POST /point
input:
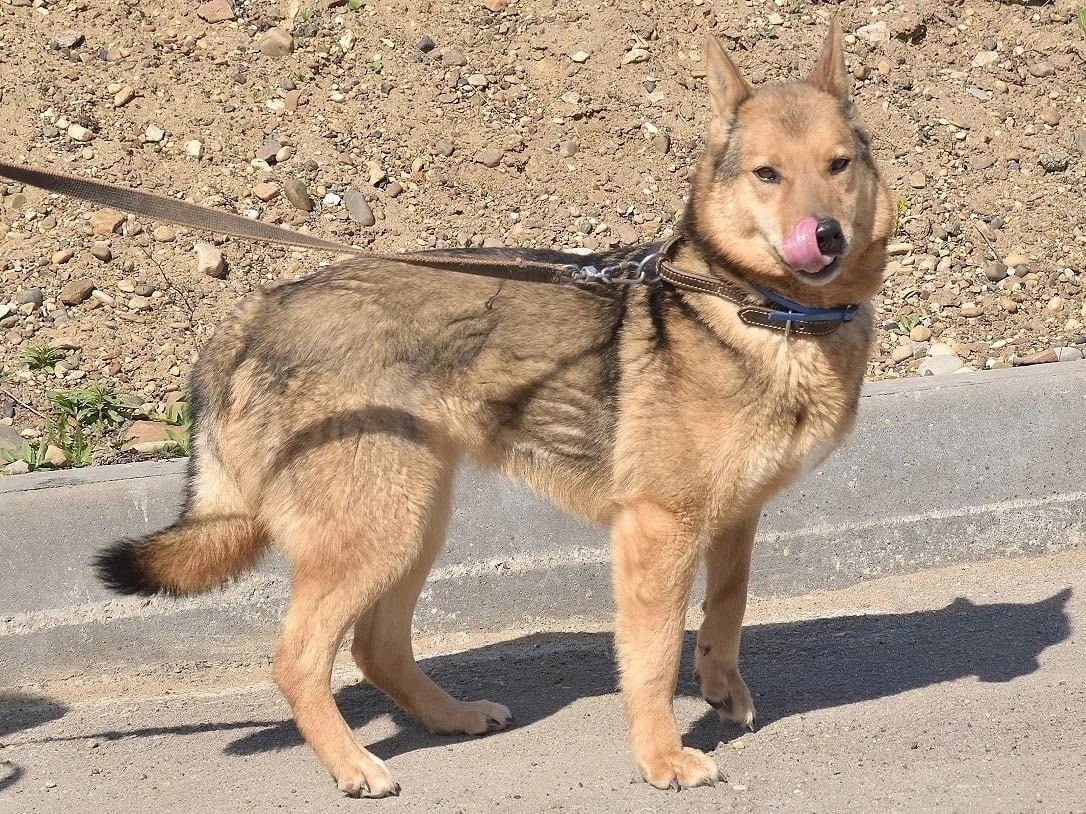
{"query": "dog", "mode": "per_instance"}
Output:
(331, 414)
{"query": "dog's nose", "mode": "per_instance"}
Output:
(831, 240)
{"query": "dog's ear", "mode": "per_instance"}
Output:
(829, 74)
(727, 88)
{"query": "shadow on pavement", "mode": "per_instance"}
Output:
(791, 668)
(18, 711)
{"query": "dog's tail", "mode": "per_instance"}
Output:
(215, 539)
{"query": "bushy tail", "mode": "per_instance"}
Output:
(194, 554)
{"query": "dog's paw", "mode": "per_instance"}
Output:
(367, 777)
(681, 769)
(470, 718)
(725, 691)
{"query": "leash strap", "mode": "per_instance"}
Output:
(505, 264)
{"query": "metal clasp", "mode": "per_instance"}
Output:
(628, 272)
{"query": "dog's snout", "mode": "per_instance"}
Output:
(831, 240)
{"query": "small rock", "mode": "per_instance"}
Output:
(276, 43)
(451, 58)
(1050, 116)
(918, 180)
(10, 439)
(985, 58)
(970, 310)
(216, 11)
(283, 154)
(488, 157)
(493, 243)
(77, 132)
(30, 296)
(69, 39)
(331, 199)
(295, 192)
(627, 233)
(1062, 354)
(425, 44)
(377, 173)
(775, 19)
(1053, 159)
(568, 149)
(269, 150)
(124, 96)
(940, 349)
(939, 365)
(497, 6)
(995, 271)
(164, 234)
(874, 33)
(147, 432)
(265, 191)
(920, 333)
(1014, 260)
(154, 133)
(194, 148)
(77, 291)
(579, 57)
(444, 147)
(1042, 69)
(1008, 305)
(635, 55)
(106, 221)
(101, 251)
(139, 303)
(61, 257)
(126, 286)
(19, 467)
(55, 457)
(209, 260)
(358, 208)
(1054, 305)
(661, 142)
(900, 354)
(477, 80)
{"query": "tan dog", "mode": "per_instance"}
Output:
(332, 412)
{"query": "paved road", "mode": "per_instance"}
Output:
(960, 689)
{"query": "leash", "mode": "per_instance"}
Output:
(653, 268)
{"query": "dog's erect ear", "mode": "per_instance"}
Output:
(727, 88)
(829, 74)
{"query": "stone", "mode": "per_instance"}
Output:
(874, 32)
(10, 439)
(497, 6)
(147, 432)
(265, 191)
(425, 44)
(901, 354)
(940, 349)
(568, 149)
(1053, 159)
(939, 365)
(269, 150)
(661, 142)
(635, 55)
(62, 256)
(985, 58)
(55, 457)
(295, 192)
(579, 57)
(164, 234)
(359, 208)
(444, 147)
(77, 291)
(138, 303)
(19, 467)
(1054, 305)
(488, 157)
(451, 58)
(920, 333)
(1042, 69)
(276, 43)
(77, 132)
(1050, 116)
(194, 148)
(970, 310)
(216, 11)
(209, 260)
(101, 251)
(154, 134)
(30, 296)
(995, 271)
(69, 39)
(1014, 260)
(124, 96)
(918, 180)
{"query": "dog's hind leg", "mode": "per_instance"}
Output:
(382, 646)
(717, 661)
(351, 517)
(655, 555)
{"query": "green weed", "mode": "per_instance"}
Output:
(41, 357)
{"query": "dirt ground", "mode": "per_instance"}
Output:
(411, 124)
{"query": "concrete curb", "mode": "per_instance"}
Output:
(939, 470)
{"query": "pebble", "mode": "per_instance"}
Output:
(488, 157)
(1053, 159)
(269, 150)
(126, 286)
(1008, 305)
(331, 199)
(106, 221)
(124, 96)
(1014, 260)
(276, 43)
(154, 134)
(30, 296)
(661, 142)
(995, 271)
(901, 353)
(265, 191)
(634, 56)
(568, 149)
(918, 180)
(451, 58)
(940, 349)
(77, 291)
(358, 208)
(216, 11)
(985, 58)
(77, 132)
(1042, 69)
(164, 234)
(425, 44)
(69, 39)
(147, 432)
(920, 333)
(1054, 305)
(62, 256)
(497, 6)
(393, 190)
(579, 57)
(295, 192)
(194, 148)
(139, 303)
(19, 467)
(970, 310)
(444, 147)
(209, 260)
(101, 251)
(939, 365)
(1050, 116)
(55, 457)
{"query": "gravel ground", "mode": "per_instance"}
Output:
(406, 124)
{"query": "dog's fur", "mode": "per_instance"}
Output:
(332, 412)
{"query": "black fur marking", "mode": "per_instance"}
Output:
(611, 368)
(118, 567)
(658, 302)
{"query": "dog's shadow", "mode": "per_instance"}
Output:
(791, 668)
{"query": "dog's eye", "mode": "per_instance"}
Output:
(838, 165)
(767, 174)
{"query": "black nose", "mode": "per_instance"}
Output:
(831, 240)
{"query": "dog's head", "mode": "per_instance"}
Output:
(787, 194)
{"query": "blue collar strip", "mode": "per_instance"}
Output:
(797, 312)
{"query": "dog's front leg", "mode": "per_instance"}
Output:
(654, 559)
(716, 664)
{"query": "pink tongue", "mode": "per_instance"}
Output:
(801, 248)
